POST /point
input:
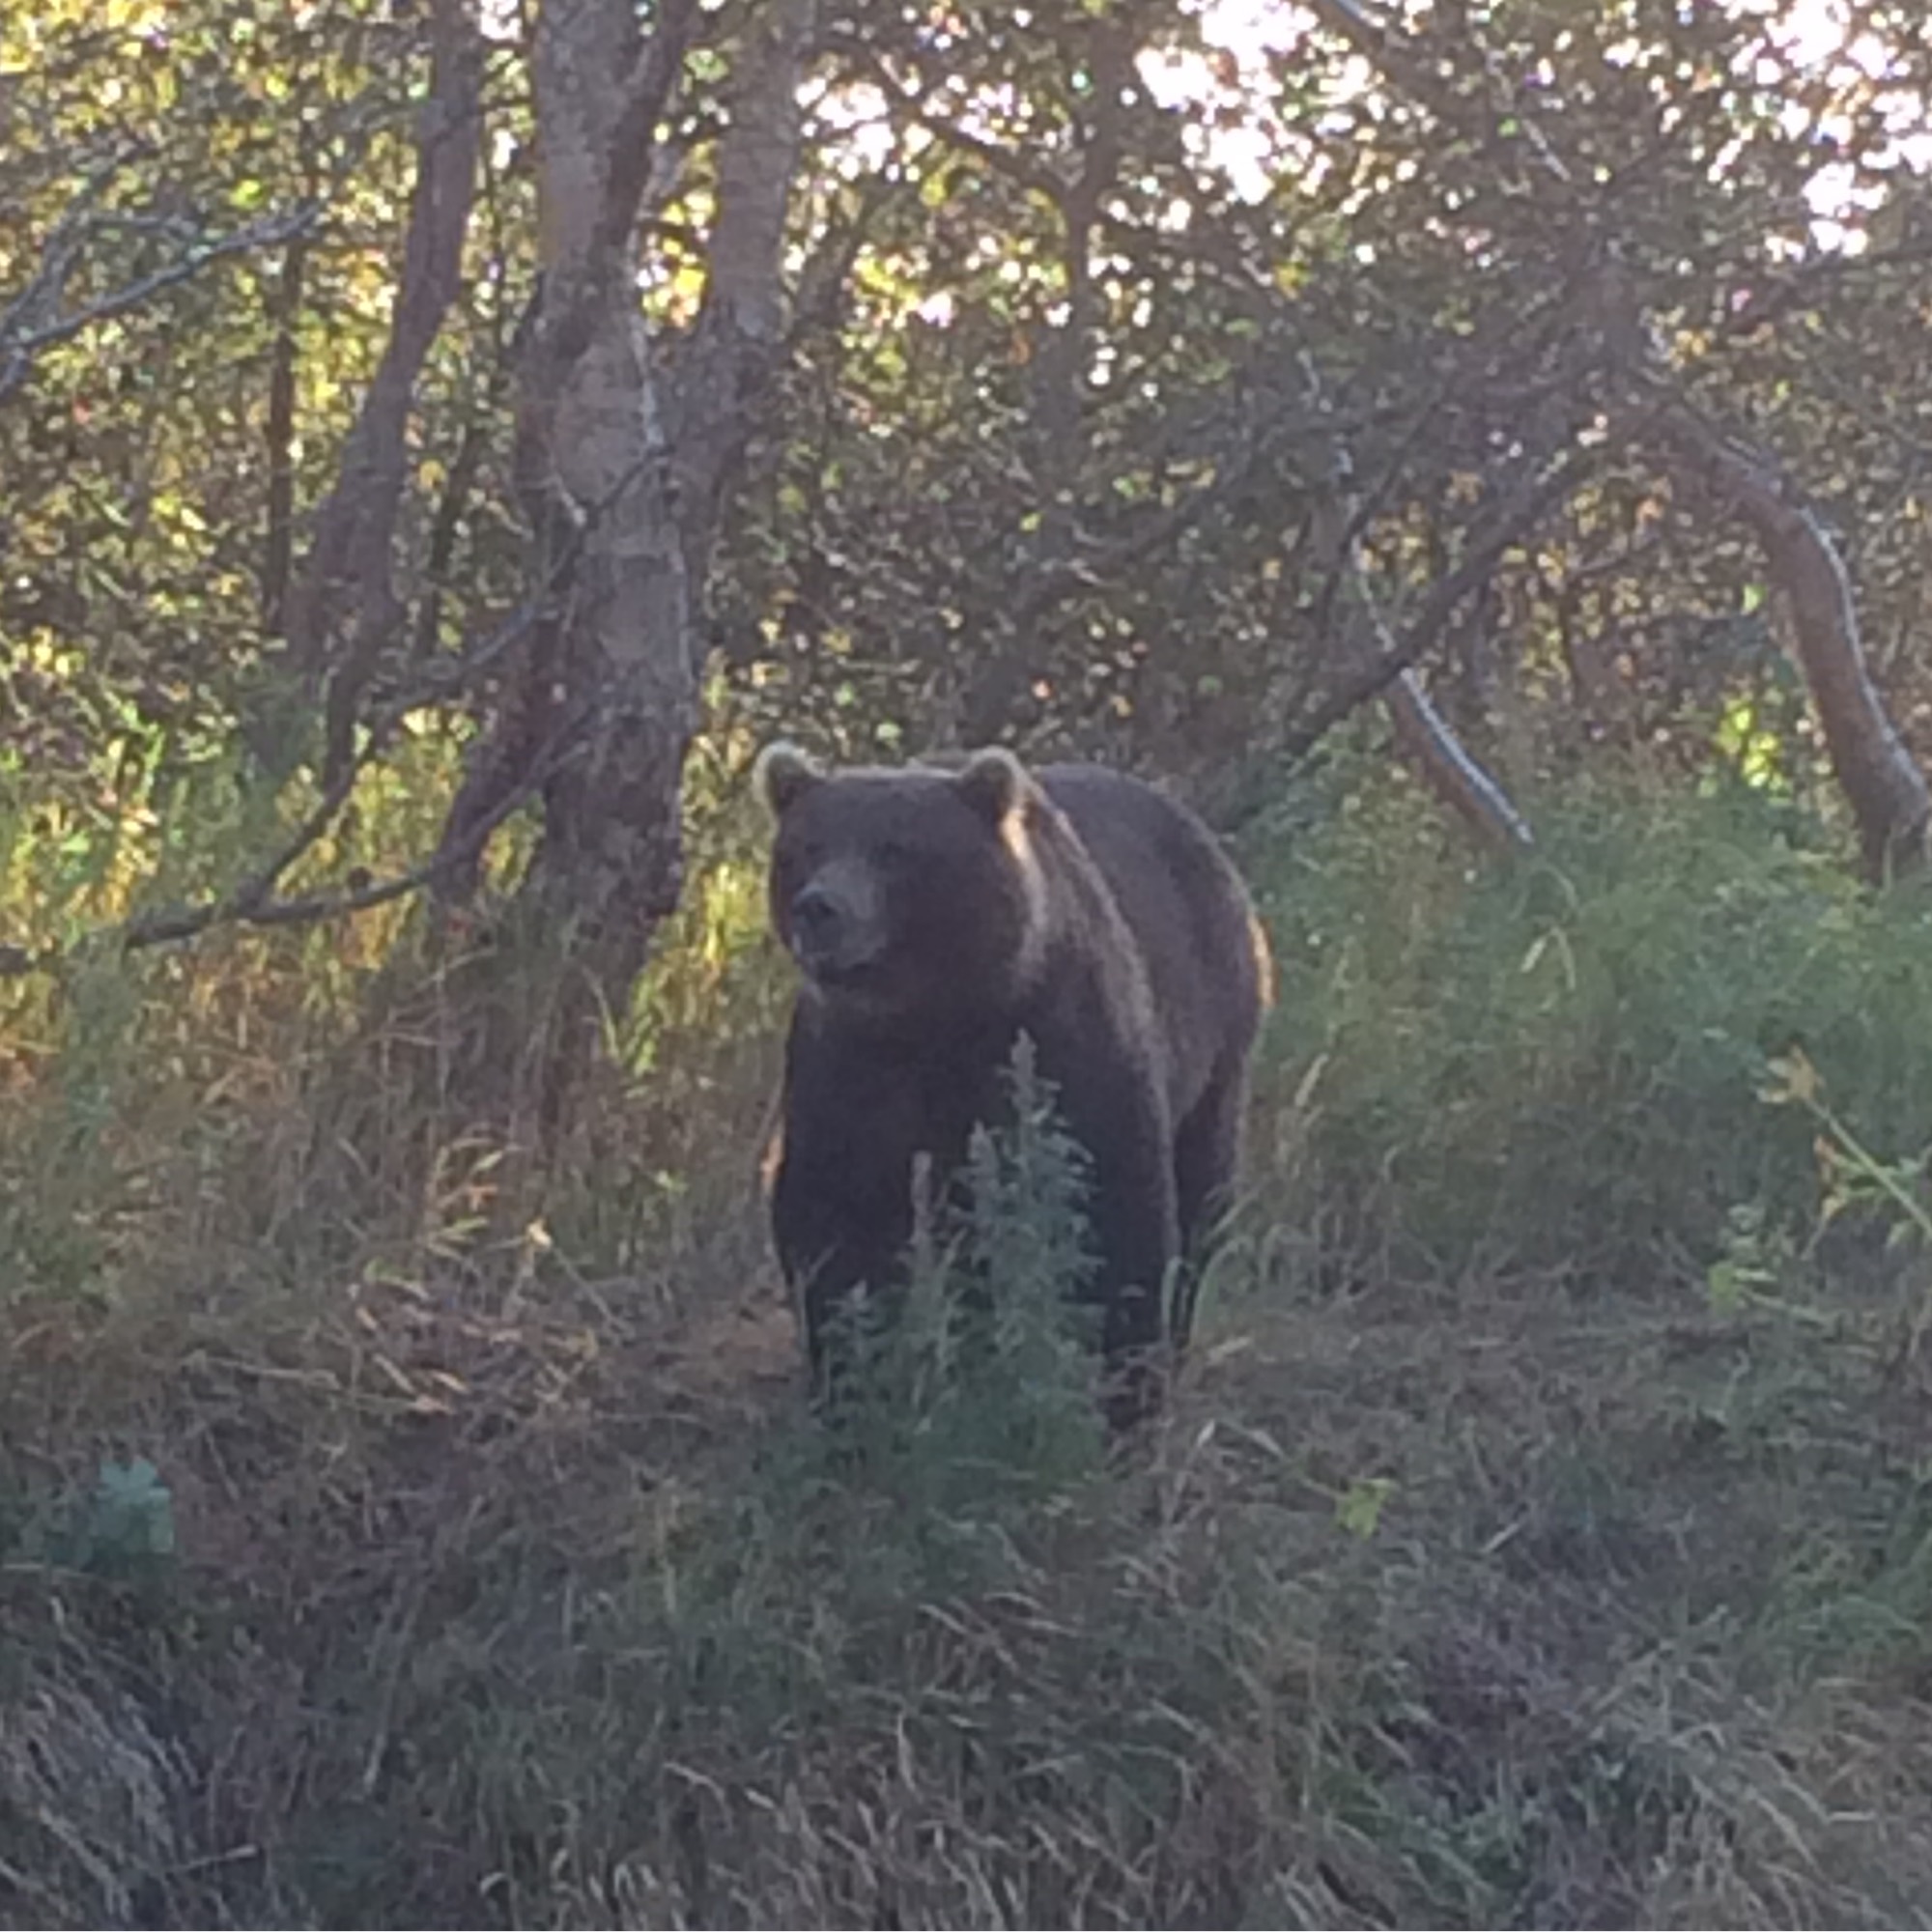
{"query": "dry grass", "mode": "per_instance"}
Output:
(416, 1661)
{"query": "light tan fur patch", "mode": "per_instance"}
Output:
(1264, 972)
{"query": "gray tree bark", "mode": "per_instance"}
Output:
(626, 446)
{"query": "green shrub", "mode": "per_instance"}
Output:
(1557, 1063)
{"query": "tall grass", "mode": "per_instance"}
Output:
(1558, 1065)
(1539, 1535)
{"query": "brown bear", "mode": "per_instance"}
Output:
(937, 914)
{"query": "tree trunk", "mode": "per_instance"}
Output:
(349, 559)
(624, 454)
(1876, 771)
(724, 371)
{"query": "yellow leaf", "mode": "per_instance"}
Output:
(1793, 1077)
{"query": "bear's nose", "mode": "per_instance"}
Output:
(814, 914)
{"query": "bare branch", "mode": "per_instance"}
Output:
(63, 249)
(1421, 730)
(1512, 522)
(355, 526)
(19, 349)
(1443, 759)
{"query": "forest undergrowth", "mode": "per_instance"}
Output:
(1541, 1533)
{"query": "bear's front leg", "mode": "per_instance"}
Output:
(1116, 1112)
(841, 1203)
(837, 1233)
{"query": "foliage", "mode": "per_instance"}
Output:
(979, 1380)
(138, 451)
(1541, 1535)
(1090, 309)
(123, 1527)
(1559, 1066)
(1555, 1593)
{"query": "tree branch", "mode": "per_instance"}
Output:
(248, 902)
(1881, 779)
(633, 140)
(740, 328)
(19, 347)
(910, 103)
(1421, 730)
(657, 72)
(1516, 517)
(250, 905)
(355, 529)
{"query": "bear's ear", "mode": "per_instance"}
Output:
(994, 783)
(782, 776)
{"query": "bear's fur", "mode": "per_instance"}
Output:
(935, 915)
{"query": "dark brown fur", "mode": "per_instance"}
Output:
(937, 915)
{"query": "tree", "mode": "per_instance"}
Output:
(623, 454)
(350, 551)
(1880, 780)
(905, 375)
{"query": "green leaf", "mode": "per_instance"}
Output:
(1358, 1509)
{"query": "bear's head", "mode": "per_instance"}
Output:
(906, 893)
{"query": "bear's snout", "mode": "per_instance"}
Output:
(814, 918)
(835, 922)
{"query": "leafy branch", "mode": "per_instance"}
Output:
(250, 903)
(29, 323)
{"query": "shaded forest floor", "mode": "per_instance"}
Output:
(1542, 1535)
